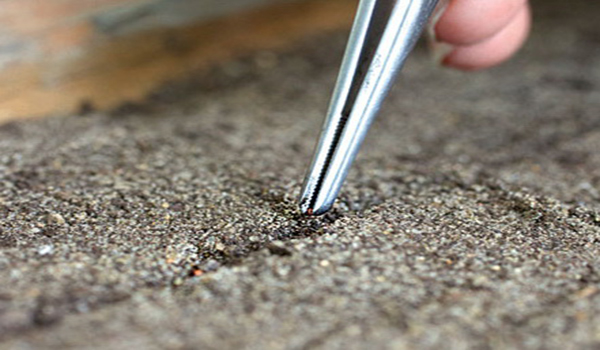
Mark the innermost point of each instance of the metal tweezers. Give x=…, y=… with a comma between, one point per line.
x=383, y=35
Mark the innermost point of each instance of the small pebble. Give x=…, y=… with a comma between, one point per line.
x=55, y=219
x=46, y=249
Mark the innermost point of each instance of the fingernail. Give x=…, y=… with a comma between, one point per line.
x=439, y=50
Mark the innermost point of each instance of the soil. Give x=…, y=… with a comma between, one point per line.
x=470, y=220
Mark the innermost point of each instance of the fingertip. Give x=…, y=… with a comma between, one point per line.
x=496, y=49
x=466, y=22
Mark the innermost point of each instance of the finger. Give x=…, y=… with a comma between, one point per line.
x=466, y=22
x=494, y=50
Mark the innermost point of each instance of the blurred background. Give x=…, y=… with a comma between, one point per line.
x=65, y=56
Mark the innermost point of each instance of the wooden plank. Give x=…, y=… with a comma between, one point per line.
x=127, y=67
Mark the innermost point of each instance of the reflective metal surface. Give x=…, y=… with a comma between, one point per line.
x=384, y=33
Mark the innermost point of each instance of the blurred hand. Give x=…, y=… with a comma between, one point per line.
x=477, y=34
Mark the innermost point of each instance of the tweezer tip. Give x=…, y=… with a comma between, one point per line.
x=314, y=211
x=308, y=211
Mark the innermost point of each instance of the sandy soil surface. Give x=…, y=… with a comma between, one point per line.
x=470, y=220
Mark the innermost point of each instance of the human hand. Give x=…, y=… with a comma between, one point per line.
x=478, y=34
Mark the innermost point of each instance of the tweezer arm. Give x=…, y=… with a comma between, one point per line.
x=383, y=34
